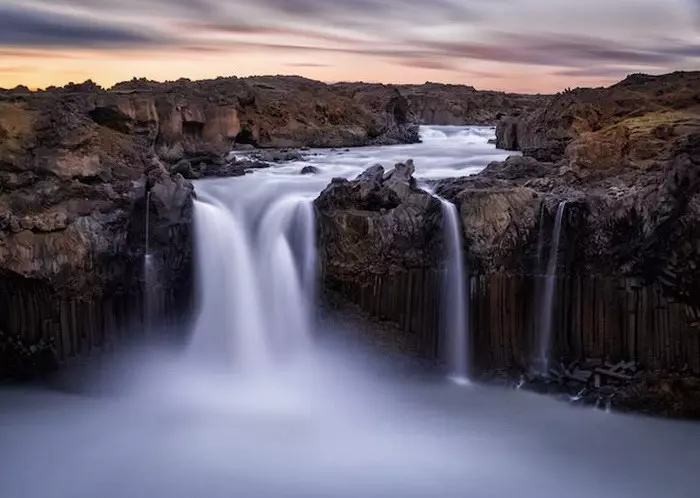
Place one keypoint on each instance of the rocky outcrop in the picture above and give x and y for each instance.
(378, 223)
(190, 117)
(634, 123)
(205, 119)
(73, 197)
(627, 284)
(439, 104)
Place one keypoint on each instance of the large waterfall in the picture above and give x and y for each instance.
(256, 281)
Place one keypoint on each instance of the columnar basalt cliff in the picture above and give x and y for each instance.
(72, 229)
(627, 285)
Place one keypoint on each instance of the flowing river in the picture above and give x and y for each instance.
(270, 401)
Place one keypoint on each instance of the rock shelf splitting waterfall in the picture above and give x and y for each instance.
(547, 303)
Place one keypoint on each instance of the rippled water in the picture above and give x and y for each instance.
(340, 420)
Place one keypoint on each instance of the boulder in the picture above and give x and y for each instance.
(309, 170)
(366, 228)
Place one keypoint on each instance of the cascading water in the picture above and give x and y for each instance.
(547, 304)
(256, 281)
(150, 276)
(540, 240)
(456, 296)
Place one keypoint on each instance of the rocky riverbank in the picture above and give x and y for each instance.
(626, 161)
(83, 168)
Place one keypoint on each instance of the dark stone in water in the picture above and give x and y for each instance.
(309, 170)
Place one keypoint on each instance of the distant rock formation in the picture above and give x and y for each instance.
(439, 104)
(634, 123)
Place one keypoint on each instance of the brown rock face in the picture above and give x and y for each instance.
(72, 226)
(438, 104)
(377, 224)
(193, 117)
(632, 123)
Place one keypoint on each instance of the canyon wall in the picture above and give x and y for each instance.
(628, 280)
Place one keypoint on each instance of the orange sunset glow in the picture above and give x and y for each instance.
(519, 45)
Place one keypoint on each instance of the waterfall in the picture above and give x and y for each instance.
(547, 303)
(256, 282)
(540, 240)
(150, 277)
(456, 297)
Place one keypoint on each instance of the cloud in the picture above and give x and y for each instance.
(23, 27)
(428, 64)
(245, 28)
(497, 36)
(561, 50)
(15, 69)
(33, 53)
(306, 64)
(379, 10)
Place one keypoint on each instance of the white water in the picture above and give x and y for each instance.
(457, 298)
(150, 272)
(336, 421)
(547, 304)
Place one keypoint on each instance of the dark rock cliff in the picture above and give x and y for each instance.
(628, 278)
(72, 227)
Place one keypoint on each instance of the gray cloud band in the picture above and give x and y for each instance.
(22, 27)
(293, 18)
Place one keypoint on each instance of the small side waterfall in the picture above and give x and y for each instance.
(150, 276)
(547, 303)
(456, 297)
(257, 279)
(540, 240)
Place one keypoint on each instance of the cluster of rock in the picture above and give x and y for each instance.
(378, 223)
(622, 386)
(626, 160)
(440, 104)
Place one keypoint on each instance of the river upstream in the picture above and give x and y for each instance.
(268, 401)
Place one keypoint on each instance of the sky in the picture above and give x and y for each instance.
(512, 45)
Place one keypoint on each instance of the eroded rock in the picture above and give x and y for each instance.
(367, 228)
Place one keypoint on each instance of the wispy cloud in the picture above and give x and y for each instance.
(428, 64)
(306, 64)
(447, 37)
(24, 27)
